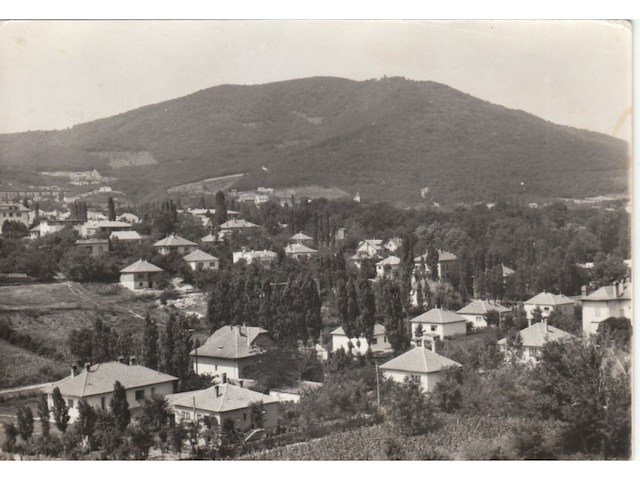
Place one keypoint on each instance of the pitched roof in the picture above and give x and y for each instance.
(506, 271)
(208, 238)
(301, 236)
(101, 377)
(374, 242)
(231, 341)
(127, 235)
(378, 329)
(546, 298)
(438, 315)
(237, 223)
(106, 224)
(482, 307)
(442, 257)
(608, 292)
(391, 260)
(538, 334)
(419, 360)
(298, 248)
(173, 240)
(141, 266)
(198, 256)
(220, 398)
(93, 241)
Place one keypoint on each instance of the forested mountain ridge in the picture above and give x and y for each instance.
(386, 139)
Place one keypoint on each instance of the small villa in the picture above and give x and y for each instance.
(140, 275)
(199, 260)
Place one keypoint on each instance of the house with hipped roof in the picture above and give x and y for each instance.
(95, 383)
(302, 238)
(547, 303)
(420, 364)
(439, 323)
(606, 302)
(94, 246)
(127, 236)
(534, 337)
(379, 342)
(388, 268)
(225, 402)
(299, 251)
(476, 312)
(262, 257)
(175, 244)
(446, 262)
(199, 260)
(140, 275)
(230, 351)
(238, 225)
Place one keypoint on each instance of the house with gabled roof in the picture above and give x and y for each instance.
(369, 248)
(225, 402)
(438, 322)
(608, 301)
(536, 336)
(230, 351)
(175, 244)
(379, 342)
(547, 303)
(199, 260)
(476, 312)
(388, 268)
(420, 364)
(94, 383)
(298, 251)
(393, 244)
(140, 275)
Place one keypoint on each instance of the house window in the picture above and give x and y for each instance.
(478, 319)
(546, 309)
(103, 403)
(385, 339)
(434, 328)
(139, 395)
(244, 416)
(70, 402)
(418, 343)
(153, 390)
(199, 265)
(415, 378)
(374, 341)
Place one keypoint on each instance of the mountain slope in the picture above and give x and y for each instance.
(385, 138)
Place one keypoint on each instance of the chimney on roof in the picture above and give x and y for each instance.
(74, 370)
(618, 288)
(584, 290)
(132, 360)
(120, 359)
(545, 324)
(87, 366)
(217, 391)
(433, 344)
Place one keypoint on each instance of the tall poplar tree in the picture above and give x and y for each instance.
(120, 407)
(150, 343)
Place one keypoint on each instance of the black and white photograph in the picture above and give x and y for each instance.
(316, 240)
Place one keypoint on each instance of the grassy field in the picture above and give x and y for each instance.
(49, 312)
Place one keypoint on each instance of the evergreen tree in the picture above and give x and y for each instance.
(367, 309)
(433, 258)
(182, 346)
(87, 418)
(391, 310)
(111, 208)
(221, 208)
(43, 413)
(351, 326)
(60, 411)
(120, 407)
(150, 343)
(168, 346)
(25, 423)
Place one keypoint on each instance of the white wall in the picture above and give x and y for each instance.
(428, 381)
(342, 341)
(138, 281)
(567, 309)
(479, 321)
(241, 417)
(442, 330)
(594, 312)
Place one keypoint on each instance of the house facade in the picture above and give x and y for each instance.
(476, 312)
(379, 342)
(438, 322)
(230, 351)
(94, 383)
(421, 364)
(226, 402)
(446, 263)
(388, 268)
(608, 301)
(14, 212)
(140, 275)
(548, 303)
(369, 248)
(262, 257)
(94, 246)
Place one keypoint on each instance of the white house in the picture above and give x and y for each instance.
(446, 262)
(237, 225)
(298, 251)
(389, 267)
(128, 217)
(225, 402)
(379, 342)
(369, 248)
(547, 303)
(94, 227)
(535, 337)
(140, 275)
(128, 236)
(47, 227)
(302, 238)
(420, 364)
(476, 312)
(94, 383)
(176, 244)
(295, 392)
(14, 212)
(230, 350)
(262, 257)
(199, 260)
(393, 244)
(608, 301)
(439, 322)
(94, 246)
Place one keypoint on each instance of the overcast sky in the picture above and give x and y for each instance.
(57, 74)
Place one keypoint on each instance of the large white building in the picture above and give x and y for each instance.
(95, 383)
(230, 350)
(14, 212)
(609, 301)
